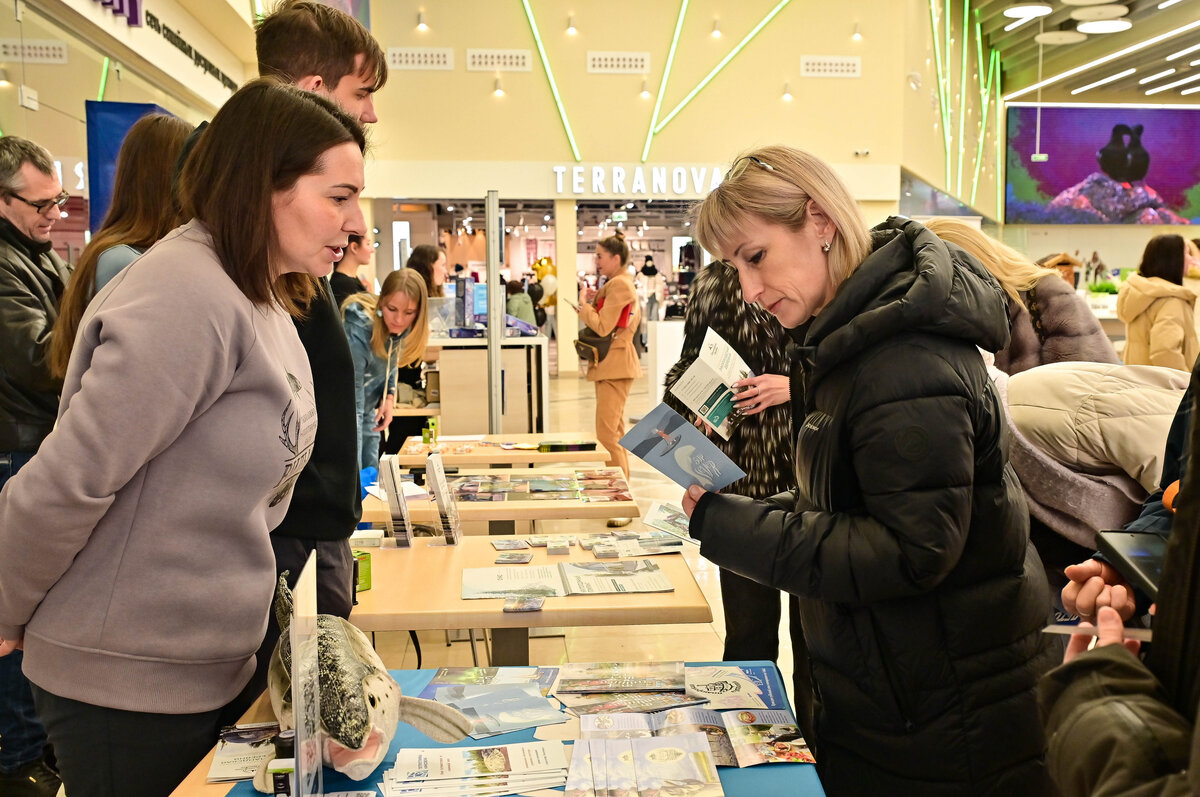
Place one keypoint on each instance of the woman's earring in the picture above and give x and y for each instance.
(825, 246)
(380, 312)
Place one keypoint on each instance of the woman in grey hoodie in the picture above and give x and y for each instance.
(135, 562)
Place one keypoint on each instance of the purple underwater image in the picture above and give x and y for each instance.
(1103, 165)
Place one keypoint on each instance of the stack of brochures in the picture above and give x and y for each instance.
(480, 771)
(564, 578)
(613, 687)
(646, 767)
(241, 749)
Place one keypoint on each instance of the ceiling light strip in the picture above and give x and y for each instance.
(721, 65)
(963, 49)
(1133, 48)
(662, 86)
(103, 80)
(1155, 76)
(1173, 84)
(1102, 81)
(986, 103)
(1018, 23)
(1183, 52)
(562, 112)
(1166, 4)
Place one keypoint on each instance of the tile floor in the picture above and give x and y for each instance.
(572, 408)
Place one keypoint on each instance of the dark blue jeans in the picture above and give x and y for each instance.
(23, 737)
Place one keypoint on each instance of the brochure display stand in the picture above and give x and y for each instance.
(447, 507)
(306, 689)
(393, 488)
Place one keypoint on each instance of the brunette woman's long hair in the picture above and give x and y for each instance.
(141, 212)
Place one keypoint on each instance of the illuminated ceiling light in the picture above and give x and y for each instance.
(662, 87)
(1054, 37)
(546, 217)
(1103, 81)
(562, 111)
(99, 93)
(1173, 84)
(1191, 90)
(544, 228)
(716, 31)
(571, 26)
(450, 208)
(421, 26)
(857, 35)
(1104, 26)
(1183, 52)
(645, 95)
(1106, 11)
(1019, 23)
(1023, 10)
(721, 64)
(499, 89)
(1133, 48)
(1155, 76)
(787, 92)
(1166, 4)
(629, 206)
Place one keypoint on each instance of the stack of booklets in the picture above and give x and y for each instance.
(612, 687)
(241, 749)
(643, 767)
(590, 485)
(564, 578)
(480, 771)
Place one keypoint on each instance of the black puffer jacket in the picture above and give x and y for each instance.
(761, 444)
(921, 598)
(32, 280)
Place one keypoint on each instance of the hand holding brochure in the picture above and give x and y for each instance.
(706, 387)
(680, 451)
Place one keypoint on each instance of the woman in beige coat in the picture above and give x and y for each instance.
(1157, 310)
(615, 306)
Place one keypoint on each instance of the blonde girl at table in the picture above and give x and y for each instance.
(614, 306)
(386, 332)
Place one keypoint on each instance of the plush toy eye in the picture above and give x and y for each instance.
(371, 700)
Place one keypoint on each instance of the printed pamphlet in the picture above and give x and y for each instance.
(648, 767)
(669, 518)
(706, 387)
(623, 702)
(737, 738)
(241, 749)
(447, 508)
(500, 708)
(453, 763)
(724, 687)
(620, 676)
(542, 677)
(680, 451)
(564, 578)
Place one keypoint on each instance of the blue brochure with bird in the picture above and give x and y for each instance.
(680, 451)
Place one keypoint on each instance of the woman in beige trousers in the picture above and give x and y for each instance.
(615, 306)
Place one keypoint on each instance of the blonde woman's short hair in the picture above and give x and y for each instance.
(775, 184)
(1014, 271)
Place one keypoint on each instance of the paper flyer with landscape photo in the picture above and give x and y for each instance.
(565, 578)
(620, 676)
(706, 387)
(680, 451)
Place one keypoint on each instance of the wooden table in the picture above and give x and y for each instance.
(420, 588)
(476, 454)
(376, 511)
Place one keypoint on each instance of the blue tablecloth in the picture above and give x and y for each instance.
(794, 780)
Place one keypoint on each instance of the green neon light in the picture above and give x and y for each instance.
(999, 156)
(562, 112)
(753, 32)
(943, 105)
(662, 87)
(979, 53)
(963, 49)
(259, 11)
(103, 80)
(986, 102)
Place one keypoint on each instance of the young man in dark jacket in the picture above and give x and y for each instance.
(32, 280)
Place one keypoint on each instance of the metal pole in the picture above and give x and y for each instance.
(495, 298)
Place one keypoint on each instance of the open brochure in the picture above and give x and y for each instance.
(565, 578)
(499, 708)
(669, 518)
(737, 738)
(680, 451)
(706, 387)
(241, 749)
(542, 677)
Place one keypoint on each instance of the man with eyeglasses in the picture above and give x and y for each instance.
(32, 280)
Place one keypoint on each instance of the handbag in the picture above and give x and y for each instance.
(591, 346)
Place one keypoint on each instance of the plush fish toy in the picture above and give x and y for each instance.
(361, 703)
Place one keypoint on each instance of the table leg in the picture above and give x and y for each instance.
(510, 647)
(508, 527)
